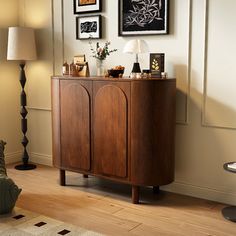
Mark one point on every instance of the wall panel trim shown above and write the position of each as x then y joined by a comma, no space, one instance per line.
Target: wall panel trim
13,157
187,96
42,159
201,192
39,109
204,123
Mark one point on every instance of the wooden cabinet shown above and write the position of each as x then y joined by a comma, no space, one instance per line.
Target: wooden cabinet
119,129
110,128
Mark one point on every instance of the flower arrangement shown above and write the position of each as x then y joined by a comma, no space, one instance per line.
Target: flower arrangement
100,52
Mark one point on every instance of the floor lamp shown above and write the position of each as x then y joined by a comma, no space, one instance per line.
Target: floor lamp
21,47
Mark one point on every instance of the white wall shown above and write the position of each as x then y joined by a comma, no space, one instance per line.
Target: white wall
9,85
38,15
199,53
207,141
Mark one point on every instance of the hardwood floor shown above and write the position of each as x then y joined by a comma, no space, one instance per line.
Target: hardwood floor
106,207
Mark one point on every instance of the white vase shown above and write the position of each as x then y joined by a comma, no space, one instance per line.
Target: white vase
100,67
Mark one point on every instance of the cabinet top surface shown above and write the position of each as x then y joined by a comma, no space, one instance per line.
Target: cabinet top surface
101,78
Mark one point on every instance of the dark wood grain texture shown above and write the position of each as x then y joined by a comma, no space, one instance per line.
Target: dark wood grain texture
110,130
75,124
135,194
122,130
56,135
62,177
152,132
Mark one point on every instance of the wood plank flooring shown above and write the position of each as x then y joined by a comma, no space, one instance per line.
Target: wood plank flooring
106,207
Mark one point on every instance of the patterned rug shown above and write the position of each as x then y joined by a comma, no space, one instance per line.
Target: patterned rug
23,223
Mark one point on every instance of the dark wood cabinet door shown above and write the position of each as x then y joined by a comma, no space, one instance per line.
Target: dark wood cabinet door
110,130
75,124
152,132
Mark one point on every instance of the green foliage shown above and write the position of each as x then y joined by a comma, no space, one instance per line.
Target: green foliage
101,52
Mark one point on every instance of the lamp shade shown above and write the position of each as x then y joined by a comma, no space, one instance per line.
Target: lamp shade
21,44
136,46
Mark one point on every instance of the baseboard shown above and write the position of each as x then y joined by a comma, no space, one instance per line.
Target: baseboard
41,158
13,157
34,157
176,187
201,192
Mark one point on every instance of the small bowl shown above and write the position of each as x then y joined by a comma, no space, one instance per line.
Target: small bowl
115,73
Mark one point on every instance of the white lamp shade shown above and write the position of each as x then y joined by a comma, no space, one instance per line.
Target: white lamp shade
136,46
21,44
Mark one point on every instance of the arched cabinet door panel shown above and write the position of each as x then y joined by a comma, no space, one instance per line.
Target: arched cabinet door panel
111,129
75,124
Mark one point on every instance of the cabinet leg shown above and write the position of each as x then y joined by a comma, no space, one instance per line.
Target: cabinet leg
85,176
156,189
62,177
135,194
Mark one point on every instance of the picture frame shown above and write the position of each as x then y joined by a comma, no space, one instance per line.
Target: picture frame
157,64
82,69
87,6
152,21
89,27
79,58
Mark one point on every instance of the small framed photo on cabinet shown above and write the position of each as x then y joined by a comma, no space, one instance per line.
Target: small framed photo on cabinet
89,27
86,6
157,64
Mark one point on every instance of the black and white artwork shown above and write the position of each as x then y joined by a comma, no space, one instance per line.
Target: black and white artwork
88,27
143,17
85,6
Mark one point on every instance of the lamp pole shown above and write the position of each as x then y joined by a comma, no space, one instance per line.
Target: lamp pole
23,102
21,47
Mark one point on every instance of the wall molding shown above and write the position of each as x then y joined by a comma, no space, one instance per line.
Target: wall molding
187,96
42,159
201,192
204,123
39,109
13,157
53,37
62,30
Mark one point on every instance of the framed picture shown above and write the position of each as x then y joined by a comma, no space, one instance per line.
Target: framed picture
143,17
79,59
157,64
89,27
85,6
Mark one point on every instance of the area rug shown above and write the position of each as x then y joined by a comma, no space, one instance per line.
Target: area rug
23,223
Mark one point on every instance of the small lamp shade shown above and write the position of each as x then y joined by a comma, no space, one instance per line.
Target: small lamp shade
136,46
21,44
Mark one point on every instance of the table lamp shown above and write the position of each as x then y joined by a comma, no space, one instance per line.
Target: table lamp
21,47
136,46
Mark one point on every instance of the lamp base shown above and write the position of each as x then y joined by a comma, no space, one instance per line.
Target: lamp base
136,68
25,167
229,213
